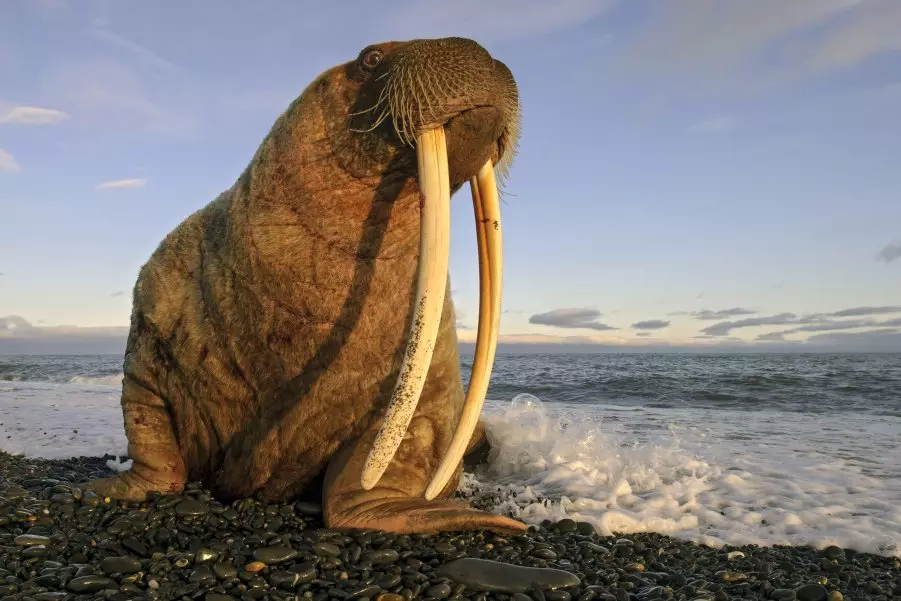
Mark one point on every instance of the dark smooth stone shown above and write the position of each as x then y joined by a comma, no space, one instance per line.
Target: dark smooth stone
283,579
63,498
35,551
363,591
389,581
544,554
225,571
274,555
493,576
308,509
31,540
585,528
782,594
218,597
834,552
135,546
14,493
204,555
120,565
90,584
192,508
566,525
327,549
557,596
381,556
50,596
439,591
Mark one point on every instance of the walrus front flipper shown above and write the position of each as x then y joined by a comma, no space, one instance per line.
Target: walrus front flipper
157,464
397,504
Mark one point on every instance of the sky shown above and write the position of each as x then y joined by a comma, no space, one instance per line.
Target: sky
691,174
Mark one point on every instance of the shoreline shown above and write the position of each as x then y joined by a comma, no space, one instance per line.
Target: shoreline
190,547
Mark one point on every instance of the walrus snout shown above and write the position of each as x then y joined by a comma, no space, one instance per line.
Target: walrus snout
459,108
454,83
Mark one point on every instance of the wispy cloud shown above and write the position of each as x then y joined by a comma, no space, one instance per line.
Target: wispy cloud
650,324
497,20
725,327
8,163
118,293
104,35
870,30
136,182
30,115
106,93
890,252
701,33
714,125
710,315
571,318
859,311
818,322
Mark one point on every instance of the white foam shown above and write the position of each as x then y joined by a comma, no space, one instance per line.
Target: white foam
712,476
664,470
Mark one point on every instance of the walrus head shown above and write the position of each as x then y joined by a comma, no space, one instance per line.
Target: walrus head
458,109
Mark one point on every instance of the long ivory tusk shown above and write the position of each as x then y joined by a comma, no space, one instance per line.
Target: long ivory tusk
434,245
488,232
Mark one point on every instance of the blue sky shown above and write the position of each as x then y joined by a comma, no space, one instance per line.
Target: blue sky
736,162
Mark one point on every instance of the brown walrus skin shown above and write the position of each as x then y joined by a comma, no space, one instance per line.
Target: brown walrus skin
268,328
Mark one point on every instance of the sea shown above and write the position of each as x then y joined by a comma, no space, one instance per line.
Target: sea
766,449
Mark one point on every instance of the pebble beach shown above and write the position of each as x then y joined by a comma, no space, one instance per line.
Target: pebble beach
59,543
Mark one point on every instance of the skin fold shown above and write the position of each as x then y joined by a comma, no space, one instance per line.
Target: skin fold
269,327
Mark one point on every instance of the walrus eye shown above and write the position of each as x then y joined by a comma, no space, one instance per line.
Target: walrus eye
372,59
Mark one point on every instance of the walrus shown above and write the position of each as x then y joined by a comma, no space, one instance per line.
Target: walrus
300,326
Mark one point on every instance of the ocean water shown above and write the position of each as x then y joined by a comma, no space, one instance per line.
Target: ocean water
764,449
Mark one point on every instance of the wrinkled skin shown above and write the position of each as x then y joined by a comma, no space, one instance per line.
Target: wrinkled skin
269,327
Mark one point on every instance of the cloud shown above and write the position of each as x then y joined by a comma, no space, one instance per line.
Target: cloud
890,253
17,335
705,32
714,125
101,34
859,311
105,93
869,31
650,324
499,20
117,293
708,315
8,163
30,115
643,334
772,336
725,327
571,318
136,182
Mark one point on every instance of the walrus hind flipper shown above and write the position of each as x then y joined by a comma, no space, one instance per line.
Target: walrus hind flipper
397,504
157,464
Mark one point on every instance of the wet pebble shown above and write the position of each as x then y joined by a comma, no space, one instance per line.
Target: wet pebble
486,575
274,555
191,508
90,584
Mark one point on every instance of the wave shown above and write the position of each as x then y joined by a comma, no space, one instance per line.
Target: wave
97,380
